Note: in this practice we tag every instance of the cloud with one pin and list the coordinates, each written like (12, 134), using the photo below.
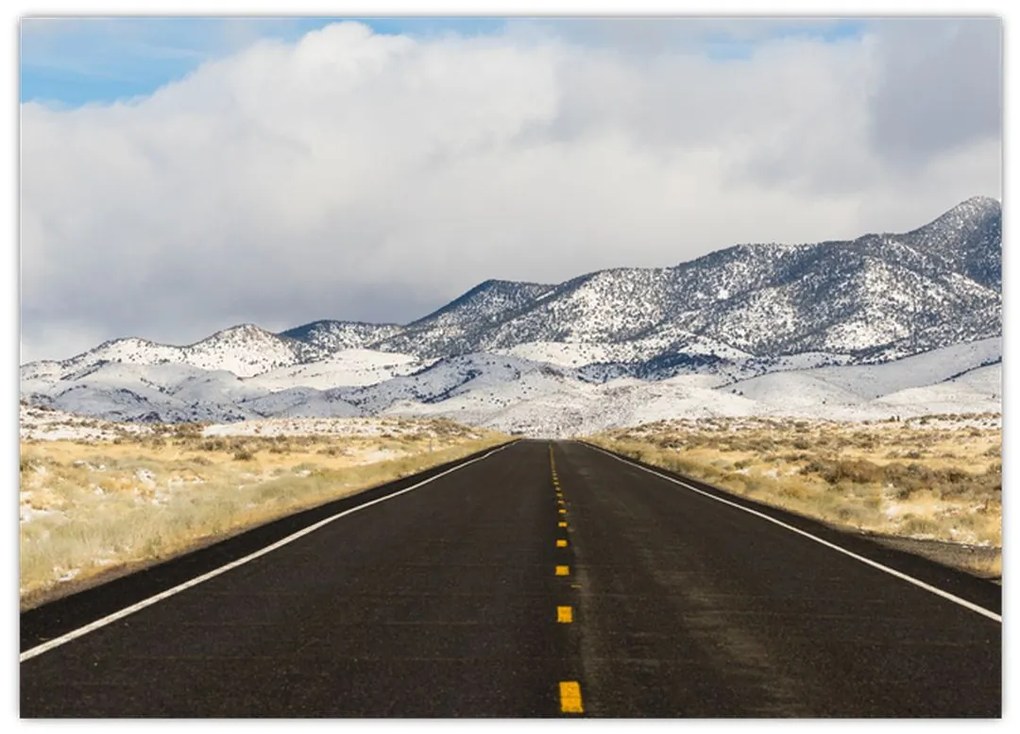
(941, 87)
(366, 176)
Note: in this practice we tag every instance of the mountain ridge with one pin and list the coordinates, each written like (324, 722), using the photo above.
(732, 315)
(724, 295)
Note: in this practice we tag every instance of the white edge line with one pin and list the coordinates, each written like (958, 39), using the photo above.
(891, 571)
(110, 618)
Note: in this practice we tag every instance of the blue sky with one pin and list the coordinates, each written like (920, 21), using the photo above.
(82, 60)
(76, 61)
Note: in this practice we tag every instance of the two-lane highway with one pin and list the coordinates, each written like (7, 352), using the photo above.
(547, 579)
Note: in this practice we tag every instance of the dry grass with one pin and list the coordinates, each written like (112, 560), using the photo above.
(89, 508)
(939, 479)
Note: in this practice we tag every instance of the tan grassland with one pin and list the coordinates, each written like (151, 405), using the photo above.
(932, 484)
(94, 509)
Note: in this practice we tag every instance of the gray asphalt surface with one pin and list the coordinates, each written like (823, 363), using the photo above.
(447, 601)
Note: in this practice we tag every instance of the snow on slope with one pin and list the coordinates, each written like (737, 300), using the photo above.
(568, 354)
(45, 424)
(162, 392)
(244, 350)
(347, 368)
(313, 427)
(320, 339)
(866, 382)
(553, 402)
(514, 394)
(980, 390)
(313, 404)
(633, 351)
(491, 379)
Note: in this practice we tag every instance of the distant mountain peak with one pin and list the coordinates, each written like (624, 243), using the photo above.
(968, 238)
(319, 339)
(242, 330)
(973, 212)
(888, 294)
(981, 203)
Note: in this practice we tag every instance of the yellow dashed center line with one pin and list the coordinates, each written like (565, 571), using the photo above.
(570, 697)
(570, 690)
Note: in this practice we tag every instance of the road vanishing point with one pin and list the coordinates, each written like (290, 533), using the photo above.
(539, 579)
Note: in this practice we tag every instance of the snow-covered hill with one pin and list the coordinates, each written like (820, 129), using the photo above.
(345, 368)
(455, 328)
(520, 395)
(320, 339)
(875, 298)
(244, 350)
(752, 329)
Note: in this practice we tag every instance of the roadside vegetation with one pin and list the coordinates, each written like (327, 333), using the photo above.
(932, 485)
(91, 509)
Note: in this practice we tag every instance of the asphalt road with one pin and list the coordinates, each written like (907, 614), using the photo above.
(545, 580)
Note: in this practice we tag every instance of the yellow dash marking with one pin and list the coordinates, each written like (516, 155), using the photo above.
(561, 543)
(563, 570)
(570, 697)
(565, 615)
(562, 511)
(562, 524)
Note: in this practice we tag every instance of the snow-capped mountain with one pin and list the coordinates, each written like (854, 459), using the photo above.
(320, 339)
(968, 237)
(935, 286)
(459, 326)
(514, 394)
(244, 350)
(504, 350)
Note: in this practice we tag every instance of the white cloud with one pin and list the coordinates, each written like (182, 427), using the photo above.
(353, 175)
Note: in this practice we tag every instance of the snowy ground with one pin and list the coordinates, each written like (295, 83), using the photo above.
(44, 424)
(518, 392)
(348, 427)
